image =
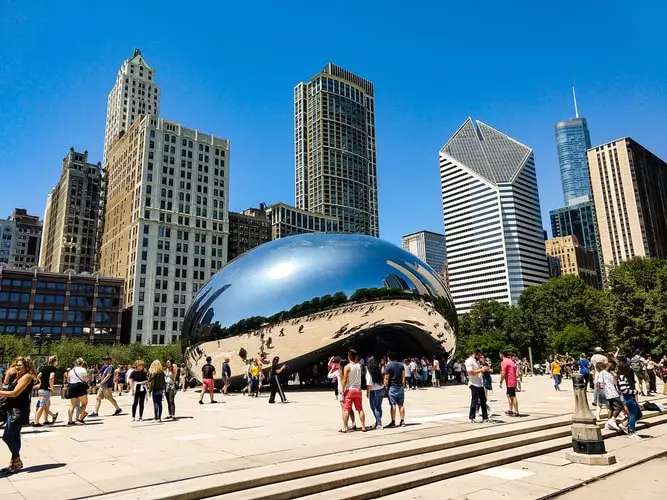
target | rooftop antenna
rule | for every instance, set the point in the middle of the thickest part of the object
(576, 109)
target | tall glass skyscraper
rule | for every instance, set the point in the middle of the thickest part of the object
(572, 141)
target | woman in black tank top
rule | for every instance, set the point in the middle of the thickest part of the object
(18, 406)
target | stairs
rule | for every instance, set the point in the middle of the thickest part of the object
(380, 470)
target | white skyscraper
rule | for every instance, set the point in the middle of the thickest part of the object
(135, 93)
(493, 224)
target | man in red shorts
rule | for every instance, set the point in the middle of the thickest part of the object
(351, 384)
(508, 375)
(208, 385)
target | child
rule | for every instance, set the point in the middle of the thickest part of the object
(607, 383)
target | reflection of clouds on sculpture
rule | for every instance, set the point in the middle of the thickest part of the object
(305, 297)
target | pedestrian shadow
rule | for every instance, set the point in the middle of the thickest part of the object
(34, 468)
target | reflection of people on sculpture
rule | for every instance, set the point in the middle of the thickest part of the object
(269, 343)
(276, 369)
(208, 373)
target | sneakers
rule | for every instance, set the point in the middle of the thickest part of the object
(471, 421)
(94, 414)
(634, 436)
(612, 425)
(117, 412)
(402, 424)
(391, 425)
(625, 429)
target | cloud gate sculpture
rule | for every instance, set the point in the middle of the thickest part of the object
(308, 297)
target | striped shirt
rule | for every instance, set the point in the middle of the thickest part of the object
(626, 383)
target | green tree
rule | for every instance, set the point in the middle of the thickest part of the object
(573, 339)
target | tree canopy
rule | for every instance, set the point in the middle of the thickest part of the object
(566, 315)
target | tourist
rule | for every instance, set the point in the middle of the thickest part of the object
(77, 392)
(424, 365)
(663, 373)
(138, 380)
(183, 377)
(157, 382)
(170, 377)
(458, 372)
(92, 378)
(436, 372)
(334, 373)
(509, 376)
(555, 370)
(627, 386)
(339, 391)
(475, 370)
(208, 384)
(105, 390)
(47, 379)
(651, 372)
(122, 379)
(274, 381)
(638, 365)
(584, 368)
(519, 372)
(18, 410)
(596, 359)
(351, 384)
(255, 374)
(226, 376)
(607, 383)
(375, 389)
(394, 381)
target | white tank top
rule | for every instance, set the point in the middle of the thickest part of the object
(354, 377)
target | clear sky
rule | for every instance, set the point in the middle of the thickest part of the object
(229, 68)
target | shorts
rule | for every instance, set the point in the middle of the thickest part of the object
(352, 397)
(396, 396)
(226, 379)
(44, 397)
(511, 392)
(615, 404)
(436, 375)
(105, 393)
(208, 385)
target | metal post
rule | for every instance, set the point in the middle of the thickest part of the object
(587, 443)
(530, 358)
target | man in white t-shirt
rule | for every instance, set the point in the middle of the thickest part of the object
(596, 359)
(477, 395)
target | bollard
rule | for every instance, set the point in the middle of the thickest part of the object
(587, 443)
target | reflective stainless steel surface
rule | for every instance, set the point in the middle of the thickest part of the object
(307, 297)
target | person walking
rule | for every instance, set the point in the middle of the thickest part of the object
(47, 380)
(351, 384)
(77, 392)
(584, 368)
(274, 381)
(596, 359)
(226, 376)
(475, 371)
(436, 373)
(105, 390)
(556, 373)
(375, 389)
(170, 377)
(18, 410)
(508, 375)
(638, 365)
(627, 386)
(157, 384)
(208, 384)
(394, 381)
(138, 380)
(651, 368)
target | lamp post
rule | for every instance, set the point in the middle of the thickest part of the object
(587, 444)
(41, 340)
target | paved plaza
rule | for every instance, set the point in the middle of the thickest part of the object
(111, 454)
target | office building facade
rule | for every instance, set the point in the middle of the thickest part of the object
(247, 230)
(166, 223)
(429, 247)
(574, 259)
(60, 305)
(335, 150)
(493, 226)
(629, 185)
(287, 220)
(69, 239)
(26, 240)
(7, 230)
(572, 142)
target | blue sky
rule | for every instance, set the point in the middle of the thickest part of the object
(229, 68)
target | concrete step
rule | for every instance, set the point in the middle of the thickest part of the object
(396, 483)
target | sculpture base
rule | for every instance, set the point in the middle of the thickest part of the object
(588, 447)
(582, 458)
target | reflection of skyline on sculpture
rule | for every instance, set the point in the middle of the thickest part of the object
(323, 283)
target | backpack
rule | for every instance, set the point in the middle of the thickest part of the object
(636, 364)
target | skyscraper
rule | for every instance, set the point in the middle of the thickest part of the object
(69, 239)
(26, 240)
(334, 149)
(135, 93)
(493, 226)
(429, 247)
(166, 221)
(629, 186)
(572, 141)
(574, 259)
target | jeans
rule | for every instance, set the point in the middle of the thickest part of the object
(12, 434)
(652, 381)
(557, 379)
(139, 398)
(478, 399)
(412, 382)
(631, 403)
(170, 395)
(375, 398)
(157, 403)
